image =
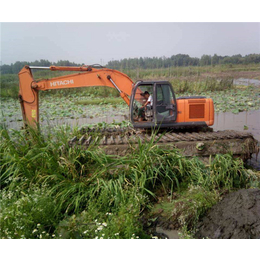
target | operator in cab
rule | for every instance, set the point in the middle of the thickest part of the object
(148, 103)
(149, 98)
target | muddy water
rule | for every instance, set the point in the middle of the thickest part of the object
(248, 121)
(171, 234)
(246, 82)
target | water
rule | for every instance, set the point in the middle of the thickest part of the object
(171, 234)
(248, 121)
(239, 122)
(246, 82)
(71, 122)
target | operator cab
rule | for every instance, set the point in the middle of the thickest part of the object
(153, 104)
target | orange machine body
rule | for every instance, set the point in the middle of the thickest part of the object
(195, 110)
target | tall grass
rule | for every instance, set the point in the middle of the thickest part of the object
(197, 86)
(87, 184)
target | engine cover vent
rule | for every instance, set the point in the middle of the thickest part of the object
(197, 111)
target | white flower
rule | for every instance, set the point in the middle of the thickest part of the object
(104, 224)
(38, 225)
(155, 237)
(100, 228)
(101, 238)
(53, 235)
(35, 230)
(85, 231)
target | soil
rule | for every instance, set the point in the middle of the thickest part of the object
(237, 216)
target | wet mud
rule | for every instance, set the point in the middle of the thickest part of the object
(237, 216)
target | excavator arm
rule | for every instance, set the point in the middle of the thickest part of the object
(87, 76)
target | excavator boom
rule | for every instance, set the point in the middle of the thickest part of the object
(88, 76)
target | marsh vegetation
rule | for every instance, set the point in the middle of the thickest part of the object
(50, 190)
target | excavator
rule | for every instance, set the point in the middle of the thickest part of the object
(164, 111)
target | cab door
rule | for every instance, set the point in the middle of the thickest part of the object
(140, 116)
(165, 103)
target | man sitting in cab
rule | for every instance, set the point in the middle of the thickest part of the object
(148, 104)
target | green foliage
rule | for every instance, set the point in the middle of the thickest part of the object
(70, 188)
(209, 84)
(27, 213)
(95, 222)
(9, 85)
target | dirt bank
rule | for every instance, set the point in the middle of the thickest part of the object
(236, 216)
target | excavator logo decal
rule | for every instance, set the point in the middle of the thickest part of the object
(61, 83)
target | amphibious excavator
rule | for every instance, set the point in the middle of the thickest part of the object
(152, 105)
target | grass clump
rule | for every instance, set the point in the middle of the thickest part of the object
(121, 221)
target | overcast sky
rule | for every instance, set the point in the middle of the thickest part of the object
(92, 42)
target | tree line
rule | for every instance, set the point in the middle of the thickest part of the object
(14, 68)
(146, 62)
(182, 60)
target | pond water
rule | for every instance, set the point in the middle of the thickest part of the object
(247, 121)
(71, 122)
(246, 82)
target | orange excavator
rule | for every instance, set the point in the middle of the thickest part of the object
(152, 104)
(163, 110)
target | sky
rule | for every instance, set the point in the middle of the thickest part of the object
(91, 43)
